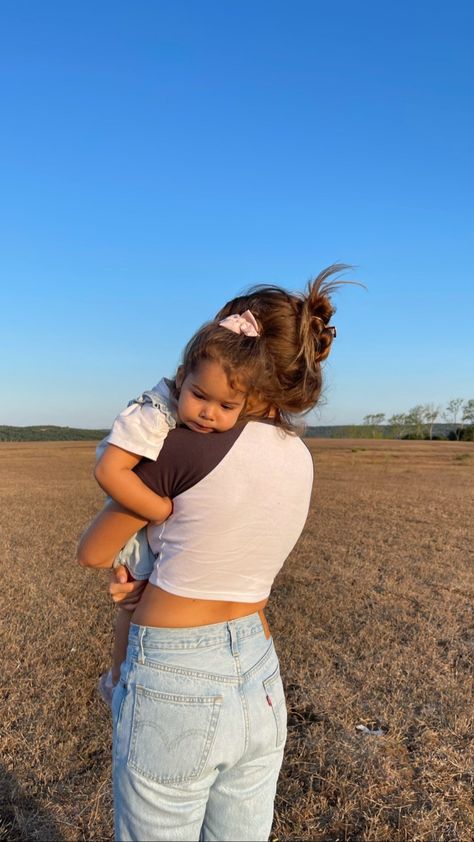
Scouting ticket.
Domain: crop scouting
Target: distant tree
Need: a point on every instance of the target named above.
(468, 412)
(374, 420)
(452, 410)
(451, 413)
(398, 423)
(415, 419)
(430, 413)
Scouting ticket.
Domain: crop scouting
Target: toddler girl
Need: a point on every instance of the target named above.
(204, 397)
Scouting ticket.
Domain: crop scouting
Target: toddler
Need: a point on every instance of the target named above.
(204, 398)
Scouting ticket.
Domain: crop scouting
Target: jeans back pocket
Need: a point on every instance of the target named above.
(172, 735)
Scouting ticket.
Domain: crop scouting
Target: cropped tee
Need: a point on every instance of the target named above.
(240, 501)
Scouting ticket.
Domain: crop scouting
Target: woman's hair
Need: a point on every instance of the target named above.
(281, 368)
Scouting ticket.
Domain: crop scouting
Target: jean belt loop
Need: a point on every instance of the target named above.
(233, 637)
(141, 651)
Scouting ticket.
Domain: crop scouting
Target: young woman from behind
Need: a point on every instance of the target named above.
(199, 711)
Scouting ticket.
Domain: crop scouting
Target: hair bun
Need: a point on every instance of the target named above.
(316, 312)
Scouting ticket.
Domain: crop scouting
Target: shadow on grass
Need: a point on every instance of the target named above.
(21, 817)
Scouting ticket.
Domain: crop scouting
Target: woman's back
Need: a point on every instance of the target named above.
(240, 501)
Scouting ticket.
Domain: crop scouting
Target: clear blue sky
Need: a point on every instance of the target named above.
(158, 157)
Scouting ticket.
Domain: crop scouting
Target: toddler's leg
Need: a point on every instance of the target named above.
(122, 626)
(109, 679)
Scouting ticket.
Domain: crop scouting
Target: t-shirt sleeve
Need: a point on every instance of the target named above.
(141, 428)
(185, 459)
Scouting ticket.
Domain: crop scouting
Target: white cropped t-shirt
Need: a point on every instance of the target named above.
(240, 501)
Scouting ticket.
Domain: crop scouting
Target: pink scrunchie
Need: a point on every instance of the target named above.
(246, 324)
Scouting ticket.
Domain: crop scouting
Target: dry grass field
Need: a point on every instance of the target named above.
(373, 617)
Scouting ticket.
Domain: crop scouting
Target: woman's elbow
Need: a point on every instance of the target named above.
(86, 560)
(86, 556)
(82, 557)
(99, 473)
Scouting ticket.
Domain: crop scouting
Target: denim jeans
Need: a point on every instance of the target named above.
(199, 731)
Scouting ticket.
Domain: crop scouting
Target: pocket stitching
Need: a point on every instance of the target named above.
(213, 702)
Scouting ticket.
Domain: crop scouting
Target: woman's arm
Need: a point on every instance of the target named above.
(114, 473)
(109, 532)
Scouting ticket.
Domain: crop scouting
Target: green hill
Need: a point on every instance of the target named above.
(49, 433)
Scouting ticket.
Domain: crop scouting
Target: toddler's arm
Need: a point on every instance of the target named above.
(114, 473)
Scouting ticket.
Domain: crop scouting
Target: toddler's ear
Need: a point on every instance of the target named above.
(179, 377)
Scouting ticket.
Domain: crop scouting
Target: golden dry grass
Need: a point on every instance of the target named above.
(373, 617)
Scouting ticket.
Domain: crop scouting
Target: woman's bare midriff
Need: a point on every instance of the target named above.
(161, 609)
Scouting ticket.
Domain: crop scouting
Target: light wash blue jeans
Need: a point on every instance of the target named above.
(199, 731)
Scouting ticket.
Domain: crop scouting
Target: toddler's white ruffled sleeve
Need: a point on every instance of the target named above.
(141, 428)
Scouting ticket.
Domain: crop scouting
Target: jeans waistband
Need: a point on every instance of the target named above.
(231, 631)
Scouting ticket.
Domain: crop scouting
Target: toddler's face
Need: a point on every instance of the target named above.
(207, 403)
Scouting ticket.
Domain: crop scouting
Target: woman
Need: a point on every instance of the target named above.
(199, 712)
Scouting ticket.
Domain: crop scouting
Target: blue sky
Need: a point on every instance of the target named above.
(158, 157)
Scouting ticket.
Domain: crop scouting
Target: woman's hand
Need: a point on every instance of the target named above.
(125, 591)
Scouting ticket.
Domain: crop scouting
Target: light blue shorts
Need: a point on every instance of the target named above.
(137, 556)
(199, 731)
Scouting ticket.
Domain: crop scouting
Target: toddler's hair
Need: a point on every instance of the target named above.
(239, 355)
(281, 368)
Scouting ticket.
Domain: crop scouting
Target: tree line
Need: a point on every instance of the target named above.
(419, 421)
(49, 433)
